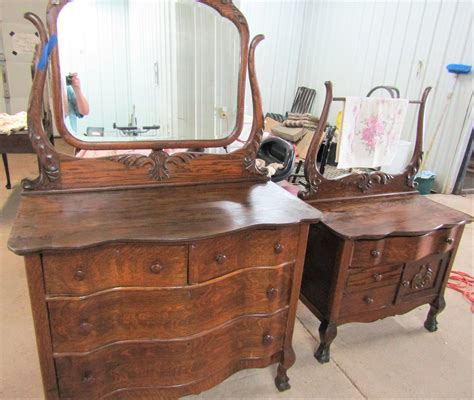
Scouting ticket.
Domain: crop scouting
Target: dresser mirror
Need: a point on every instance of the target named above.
(149, 73)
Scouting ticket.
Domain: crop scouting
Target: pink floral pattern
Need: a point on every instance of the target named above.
(370, 132)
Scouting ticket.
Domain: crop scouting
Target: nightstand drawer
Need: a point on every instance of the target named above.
(366, 300)
(366, 278)
(262, 247)
(398, 249)
(90, 270)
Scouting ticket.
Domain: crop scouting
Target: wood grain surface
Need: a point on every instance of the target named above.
(170, 364)
(262, 247)
(81, 324)
(163, 214)
(375, 218)
(135, 264)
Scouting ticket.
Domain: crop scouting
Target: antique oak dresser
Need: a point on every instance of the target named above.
(157, 276)
(381, 249)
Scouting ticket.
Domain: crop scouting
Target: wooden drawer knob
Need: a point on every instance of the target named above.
(368, 300)
(221, 258)
(267, 340)
(449, 240)
(271, 293)
(378, 277)
(79, 275)
(375, 253)
(156, 268)
(85, 328)
(87, 377)
(278, 248)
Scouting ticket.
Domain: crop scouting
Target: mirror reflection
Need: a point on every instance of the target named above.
(148, 70)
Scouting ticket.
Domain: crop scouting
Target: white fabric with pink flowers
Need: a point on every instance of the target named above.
(370, 131)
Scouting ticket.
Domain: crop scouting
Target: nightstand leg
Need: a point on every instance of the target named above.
(438, 305)
(281, 380)
(327, 333)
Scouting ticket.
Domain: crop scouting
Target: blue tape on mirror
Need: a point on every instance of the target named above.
(47, 49)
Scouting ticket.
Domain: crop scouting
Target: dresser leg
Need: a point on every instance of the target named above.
(281, 380)
(327, 333)
(436, 307)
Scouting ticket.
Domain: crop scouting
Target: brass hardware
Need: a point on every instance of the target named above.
(375, 253)
(221, 258)
(378, 277)
(449, 240)
(156, 268)
(406, 283)
(79, 275)
(267, 340)
(85, 328)
(278, 248)
(271, 293)
(87, 377)
(368, 300)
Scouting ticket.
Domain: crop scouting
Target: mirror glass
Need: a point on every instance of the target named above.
(135, 70)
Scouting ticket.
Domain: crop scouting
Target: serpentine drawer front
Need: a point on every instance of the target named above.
(87, 323)
(399, 249)
(215, 257)
(121, 314)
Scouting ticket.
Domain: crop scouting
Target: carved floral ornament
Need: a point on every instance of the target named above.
(423, 278)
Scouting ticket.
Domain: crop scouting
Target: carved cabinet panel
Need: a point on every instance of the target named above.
(423, 278)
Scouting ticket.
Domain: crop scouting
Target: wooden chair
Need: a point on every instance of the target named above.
(302, 103)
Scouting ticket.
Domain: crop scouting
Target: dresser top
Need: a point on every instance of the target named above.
(400, 215)
(161, 214)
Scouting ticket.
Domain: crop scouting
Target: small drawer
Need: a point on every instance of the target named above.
(367, 278)
(368, 253)
(372, 299)
(262, 247)
(95, 269)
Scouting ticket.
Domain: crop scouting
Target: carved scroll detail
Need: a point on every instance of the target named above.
(256, 134)
(423, 278)
(412, 170)
(365, 181)
(250, 157)
(158, 161)
(48, 157)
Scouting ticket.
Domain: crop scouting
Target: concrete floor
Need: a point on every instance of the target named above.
(391, 358)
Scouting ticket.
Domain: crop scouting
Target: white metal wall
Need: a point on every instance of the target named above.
(361, 44)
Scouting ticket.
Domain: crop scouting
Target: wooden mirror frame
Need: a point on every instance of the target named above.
(61, 172)
(359, 184)
(227, 10)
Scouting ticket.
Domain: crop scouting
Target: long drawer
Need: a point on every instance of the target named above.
(261, 247)
(162, 364)
(85, 323)
(135, 264)
(392, 250)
